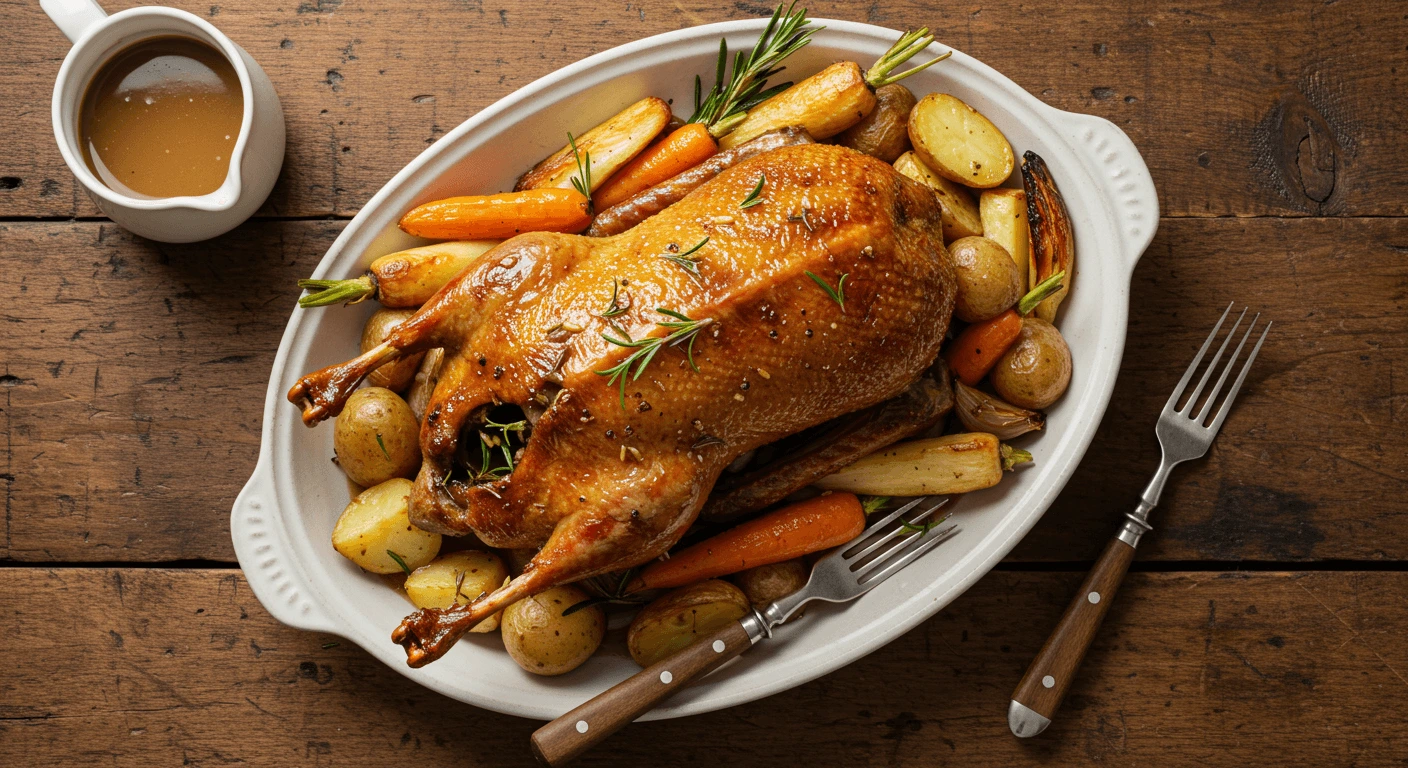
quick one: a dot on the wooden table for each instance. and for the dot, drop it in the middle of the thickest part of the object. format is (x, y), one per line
(1264, 622)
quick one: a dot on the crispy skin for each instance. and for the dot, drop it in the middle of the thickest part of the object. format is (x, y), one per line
(780, 355)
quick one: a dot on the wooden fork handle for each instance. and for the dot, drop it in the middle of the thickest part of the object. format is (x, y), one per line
(1054, 669)
(568, 736)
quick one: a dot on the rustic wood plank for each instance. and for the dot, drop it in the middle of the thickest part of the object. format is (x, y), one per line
(1239, 108)
(155, 667)
(117, 351)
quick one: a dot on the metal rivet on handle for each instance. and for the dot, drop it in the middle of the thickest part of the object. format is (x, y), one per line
(666, 677)
(1093, 597)
(718, 646)
(1048, 681)
(582, 725)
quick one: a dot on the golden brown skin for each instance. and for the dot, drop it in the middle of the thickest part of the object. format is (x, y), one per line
(778, 356)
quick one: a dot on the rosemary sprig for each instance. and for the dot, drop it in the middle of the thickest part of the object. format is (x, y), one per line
(837, 295)
(322, 293)
(682, 330)
(582, 179)
(728, 102)
(688, 260)
(871, 504)
(922, 528)
(383, 447)
(614, 308)
(400, 562)
(909, 44)
(754, 197)
(504, 429)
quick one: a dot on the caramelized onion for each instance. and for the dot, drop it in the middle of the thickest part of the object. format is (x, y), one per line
(982, 412)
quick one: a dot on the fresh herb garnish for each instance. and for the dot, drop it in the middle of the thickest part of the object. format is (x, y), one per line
(683, 330)
(727, 103)
(870, 504)
(754, 197)
(802, 217)
(400, 562)
(330, 645)
(502, 440)
(922, 528)
(688, 260)
(838, 294)
(582, 180)
(616, 594)
(383, 447)
(614, 308)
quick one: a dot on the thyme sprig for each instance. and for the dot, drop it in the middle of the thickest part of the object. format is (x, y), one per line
(582, 179)
(754, 197)
(838, 294)
(688, 260)
(502, 439)
(871, 504)
(728, 102)
(922, 528)
(682, 330)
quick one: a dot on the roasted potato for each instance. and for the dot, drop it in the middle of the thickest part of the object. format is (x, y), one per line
(960, 214)
(397, 374)
(1004, 215)
(766, 583)
(949, 464)
(988, 282)
(545, 642)
(958, 143)
(459, 577)
(884, 133)
(824, 104)
(681, 616)
(611, 145)
(377, 524)
(376, 437)
(1035, 371)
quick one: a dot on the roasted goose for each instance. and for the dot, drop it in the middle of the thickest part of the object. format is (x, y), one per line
(611, 476)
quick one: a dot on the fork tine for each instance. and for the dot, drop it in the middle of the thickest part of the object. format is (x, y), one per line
(896, 532)
(1231, 361)
(1188, 374)
(1212, 364)
(1237, 385)
(915, 551)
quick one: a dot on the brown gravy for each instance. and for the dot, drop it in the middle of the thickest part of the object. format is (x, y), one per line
(161, 118)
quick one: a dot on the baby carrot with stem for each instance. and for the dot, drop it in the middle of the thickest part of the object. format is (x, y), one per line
(978, 347)
(683, 149)
(480, 217)
(826, 521)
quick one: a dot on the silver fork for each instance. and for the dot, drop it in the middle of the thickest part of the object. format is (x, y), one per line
(1184, 433)
(883, 549)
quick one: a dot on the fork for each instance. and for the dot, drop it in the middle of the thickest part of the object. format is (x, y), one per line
(853, 569)
(1184, 434)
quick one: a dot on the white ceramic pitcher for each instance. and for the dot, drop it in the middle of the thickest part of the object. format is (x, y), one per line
(258, 153)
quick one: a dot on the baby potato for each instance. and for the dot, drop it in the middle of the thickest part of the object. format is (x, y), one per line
(1035, 371)
(884, 133)
(960, 214)
(765, 583)
(376, 437)
(376, 524)
(434, 585)
(545, 642)
(988, 280)
(679, 617)
(1004, 215)
(958, 142)
(397, 374)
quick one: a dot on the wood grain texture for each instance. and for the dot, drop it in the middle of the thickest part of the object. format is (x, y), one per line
(1256, 108)
(157, 667)
(117, 351)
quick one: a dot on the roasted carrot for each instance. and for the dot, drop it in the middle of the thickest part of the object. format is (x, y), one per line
(978, 347)
(479, 217)
(678, 152)
(797, 529)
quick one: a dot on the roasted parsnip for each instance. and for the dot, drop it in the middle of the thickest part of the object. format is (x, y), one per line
(401, 280)
(1004, 216)
(609, 146)
(1052, 238)
(948, 464)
